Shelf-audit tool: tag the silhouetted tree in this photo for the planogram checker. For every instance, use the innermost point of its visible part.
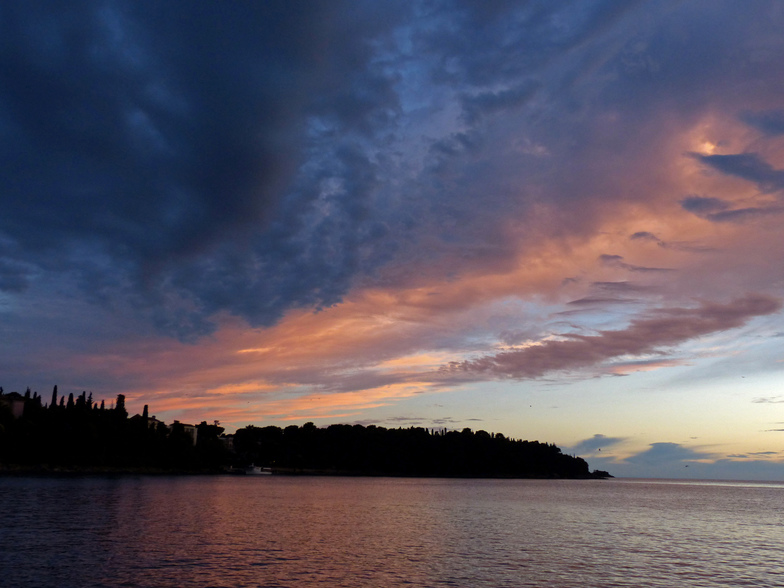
(414, 451)
(119, 406)
(78, 436)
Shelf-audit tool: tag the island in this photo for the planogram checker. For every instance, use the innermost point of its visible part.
(78, 435)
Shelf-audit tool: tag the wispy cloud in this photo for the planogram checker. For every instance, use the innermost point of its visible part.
(666, 328)
(617, 261)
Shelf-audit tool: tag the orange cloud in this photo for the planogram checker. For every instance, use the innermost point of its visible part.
(563, 275)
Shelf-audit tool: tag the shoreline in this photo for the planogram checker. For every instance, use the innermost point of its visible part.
(13, 470)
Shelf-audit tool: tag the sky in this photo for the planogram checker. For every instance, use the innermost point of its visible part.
(560, 221)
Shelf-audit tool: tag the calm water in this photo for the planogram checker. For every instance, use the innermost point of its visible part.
(281, 531)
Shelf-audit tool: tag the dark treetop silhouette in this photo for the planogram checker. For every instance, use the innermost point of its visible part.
(82, 435)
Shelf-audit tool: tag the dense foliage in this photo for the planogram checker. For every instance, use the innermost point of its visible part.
(79, 434)
(408, 452)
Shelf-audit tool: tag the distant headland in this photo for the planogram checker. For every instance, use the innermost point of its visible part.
(78, 435)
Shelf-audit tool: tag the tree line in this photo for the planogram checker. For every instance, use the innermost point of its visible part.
(81, 434)
(78, 433)
(414, 451)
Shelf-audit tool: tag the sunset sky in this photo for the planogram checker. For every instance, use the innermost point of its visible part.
(559, 221)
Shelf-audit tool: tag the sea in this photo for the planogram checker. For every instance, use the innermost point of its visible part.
(300, 531)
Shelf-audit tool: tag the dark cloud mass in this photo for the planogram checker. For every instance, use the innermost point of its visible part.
(704, 205)
(719, 211)
(770, 122)
(187, 160)
(594, 444)
(748, 166)
(251, 158)
(665, 329)
(663, 453)
(177, 150)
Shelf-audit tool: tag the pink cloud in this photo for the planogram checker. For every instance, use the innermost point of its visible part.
(665, 328)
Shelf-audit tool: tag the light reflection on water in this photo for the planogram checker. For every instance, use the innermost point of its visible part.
(309, 531)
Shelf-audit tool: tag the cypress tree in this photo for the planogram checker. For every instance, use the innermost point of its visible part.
(119, 407)
(54, 397)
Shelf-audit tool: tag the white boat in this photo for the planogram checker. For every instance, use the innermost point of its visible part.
(254, 470)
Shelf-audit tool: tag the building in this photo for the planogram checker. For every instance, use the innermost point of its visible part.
(15, 403)
(190, 430)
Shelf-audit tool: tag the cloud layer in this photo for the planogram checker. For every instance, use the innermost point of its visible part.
(305, 210)
(252, 160)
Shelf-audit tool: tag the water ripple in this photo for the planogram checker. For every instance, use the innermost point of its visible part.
(347, 532)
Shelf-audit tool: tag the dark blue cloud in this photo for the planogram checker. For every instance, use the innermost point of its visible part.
(741, 214)
(660, 454)
(594, 444)
(748, 166)
(162, 158)
(673, 460)
(702, 205)
(484, 43)
(183, 161)
(14, 277)
(696, 204)
(720, 211)
(489, 102)
(770, 122)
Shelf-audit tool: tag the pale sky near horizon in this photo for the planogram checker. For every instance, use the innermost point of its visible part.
(555, 220)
